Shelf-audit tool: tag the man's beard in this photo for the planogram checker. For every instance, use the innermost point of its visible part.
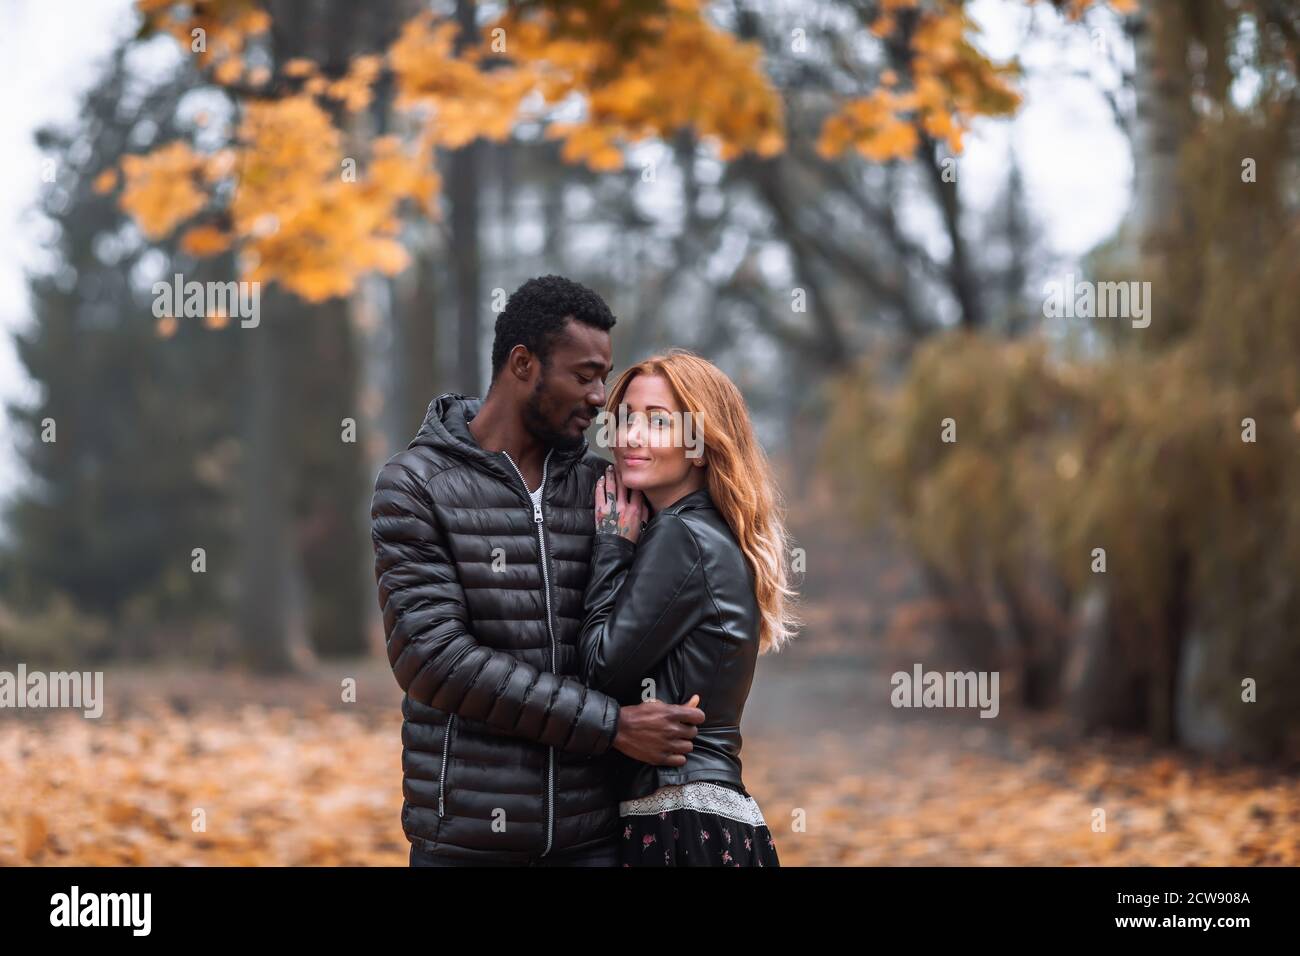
(537, 425)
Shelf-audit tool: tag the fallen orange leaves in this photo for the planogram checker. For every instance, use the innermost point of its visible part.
(311, 785)
(285, 774)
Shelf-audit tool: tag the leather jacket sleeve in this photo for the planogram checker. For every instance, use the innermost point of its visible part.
(436, 659)
(641, 601)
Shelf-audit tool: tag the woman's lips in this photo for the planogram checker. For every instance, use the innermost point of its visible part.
(633, 462)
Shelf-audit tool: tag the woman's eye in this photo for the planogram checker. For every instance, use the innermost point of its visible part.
(660, 421)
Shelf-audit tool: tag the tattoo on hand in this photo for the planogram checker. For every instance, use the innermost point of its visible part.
(607, 517)
(617, 513)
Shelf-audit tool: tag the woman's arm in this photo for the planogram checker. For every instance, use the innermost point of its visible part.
(641, 600)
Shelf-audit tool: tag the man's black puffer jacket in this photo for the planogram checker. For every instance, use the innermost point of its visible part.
(504, 758)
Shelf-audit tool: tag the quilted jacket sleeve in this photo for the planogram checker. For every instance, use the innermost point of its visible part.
(433, 652)
(641, 601)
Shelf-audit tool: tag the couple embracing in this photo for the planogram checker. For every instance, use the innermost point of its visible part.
(576, 640)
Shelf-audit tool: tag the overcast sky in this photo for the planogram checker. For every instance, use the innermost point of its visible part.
(1076, 164)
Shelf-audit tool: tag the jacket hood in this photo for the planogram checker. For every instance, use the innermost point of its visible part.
(446, 428)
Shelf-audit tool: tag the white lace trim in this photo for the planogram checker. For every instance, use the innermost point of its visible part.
(697, 795)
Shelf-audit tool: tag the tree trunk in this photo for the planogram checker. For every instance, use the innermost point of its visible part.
(332, 538)
(1164, 121)
(264, 618)
(463, 186)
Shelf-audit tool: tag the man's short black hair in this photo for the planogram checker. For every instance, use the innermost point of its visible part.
(538, 310)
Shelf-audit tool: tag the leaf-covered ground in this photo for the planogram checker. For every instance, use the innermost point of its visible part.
(284, 772)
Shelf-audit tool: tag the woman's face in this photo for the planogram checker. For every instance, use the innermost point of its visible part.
(650, 449)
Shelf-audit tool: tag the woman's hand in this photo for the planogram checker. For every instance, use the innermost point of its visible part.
(619, 510)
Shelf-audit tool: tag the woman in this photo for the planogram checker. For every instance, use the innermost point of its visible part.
(683, 603)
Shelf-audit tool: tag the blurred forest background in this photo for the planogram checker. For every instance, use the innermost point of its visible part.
(779, 187)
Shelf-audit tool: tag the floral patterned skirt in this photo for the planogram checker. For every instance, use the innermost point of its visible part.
(701, 823)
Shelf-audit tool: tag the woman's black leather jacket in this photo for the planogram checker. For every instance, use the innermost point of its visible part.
(673, 615)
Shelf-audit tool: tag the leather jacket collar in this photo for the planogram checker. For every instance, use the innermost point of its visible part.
(700, 498)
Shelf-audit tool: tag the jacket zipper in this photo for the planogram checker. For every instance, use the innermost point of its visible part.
(540, 525)
(442, 777)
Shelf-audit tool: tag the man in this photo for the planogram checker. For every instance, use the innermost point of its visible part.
(482, 530)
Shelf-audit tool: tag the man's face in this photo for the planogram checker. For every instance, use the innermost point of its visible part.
(570, 389)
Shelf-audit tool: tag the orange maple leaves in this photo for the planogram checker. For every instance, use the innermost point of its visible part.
(685, 72)
(308, 205)
(216, 31)
(458, 100)
(162, 188)
(304, 214)
(297, 215)
(952, 82)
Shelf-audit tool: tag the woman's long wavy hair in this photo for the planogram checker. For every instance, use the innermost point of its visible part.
(739, 478)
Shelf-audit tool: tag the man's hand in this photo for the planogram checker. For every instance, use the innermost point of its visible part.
(657, 733)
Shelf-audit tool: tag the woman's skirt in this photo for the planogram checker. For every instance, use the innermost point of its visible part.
(701, 823)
